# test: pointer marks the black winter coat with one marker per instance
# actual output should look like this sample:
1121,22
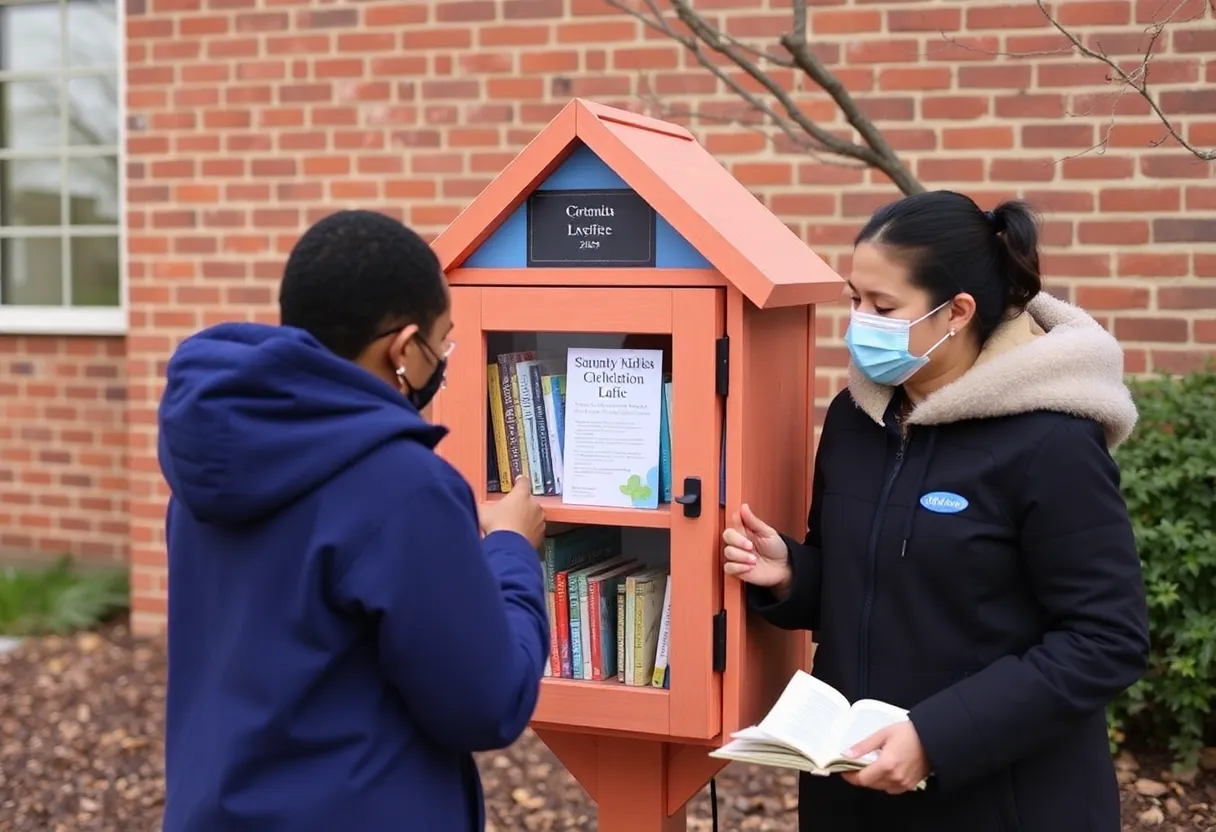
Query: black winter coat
1005,620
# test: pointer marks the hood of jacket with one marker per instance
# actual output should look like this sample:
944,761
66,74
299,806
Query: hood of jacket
254,416
1053,356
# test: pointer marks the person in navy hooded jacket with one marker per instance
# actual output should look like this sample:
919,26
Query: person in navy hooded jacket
341,635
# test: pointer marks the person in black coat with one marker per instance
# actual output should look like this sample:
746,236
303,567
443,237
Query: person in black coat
968,554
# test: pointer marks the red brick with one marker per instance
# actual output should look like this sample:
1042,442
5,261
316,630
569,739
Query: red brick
994,16
1112,297
1154,264
1058,135
964,108
977,138
1163,330
1140,199
1158,11
995,77
924,20
1042,169
844,22
1116,232
915,78
1096,166
1184,230
962,49
873,51
1186,297
1029,106
1093,12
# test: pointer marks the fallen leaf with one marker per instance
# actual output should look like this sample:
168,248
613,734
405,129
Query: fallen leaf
1150,788
1152,816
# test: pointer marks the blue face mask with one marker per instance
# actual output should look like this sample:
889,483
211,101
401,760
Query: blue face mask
879,347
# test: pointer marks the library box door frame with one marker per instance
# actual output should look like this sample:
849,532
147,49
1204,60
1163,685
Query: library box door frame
695,318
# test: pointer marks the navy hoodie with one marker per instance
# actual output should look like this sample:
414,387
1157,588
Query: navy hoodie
341,636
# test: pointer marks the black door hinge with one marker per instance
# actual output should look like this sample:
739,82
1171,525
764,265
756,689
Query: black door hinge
722,365
719,636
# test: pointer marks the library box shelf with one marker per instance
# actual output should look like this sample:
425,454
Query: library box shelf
637,342
558,512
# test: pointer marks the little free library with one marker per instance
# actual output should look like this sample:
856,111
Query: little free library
641,334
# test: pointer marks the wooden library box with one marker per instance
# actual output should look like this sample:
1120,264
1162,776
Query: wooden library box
613,231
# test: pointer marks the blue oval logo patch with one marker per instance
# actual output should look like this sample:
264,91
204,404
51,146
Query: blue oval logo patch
944,502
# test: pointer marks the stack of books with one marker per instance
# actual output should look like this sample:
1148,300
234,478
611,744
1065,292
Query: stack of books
526,428
609,614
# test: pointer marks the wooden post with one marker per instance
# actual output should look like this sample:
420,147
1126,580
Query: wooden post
632,793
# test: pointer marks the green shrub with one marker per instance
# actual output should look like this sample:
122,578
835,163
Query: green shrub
58,599
1169,481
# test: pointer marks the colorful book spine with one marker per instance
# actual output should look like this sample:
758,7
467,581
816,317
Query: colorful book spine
561,623
562,553
541,429
576,629
512,421
527,417
498,427
621,592
588,613
492,478
659,678
558,384
648,607
665,445
555,450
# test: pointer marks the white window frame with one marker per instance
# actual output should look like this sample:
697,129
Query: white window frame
80,320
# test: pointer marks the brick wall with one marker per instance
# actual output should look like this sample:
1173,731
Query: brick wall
249,119
62,448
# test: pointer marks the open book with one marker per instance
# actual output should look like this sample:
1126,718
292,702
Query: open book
809,729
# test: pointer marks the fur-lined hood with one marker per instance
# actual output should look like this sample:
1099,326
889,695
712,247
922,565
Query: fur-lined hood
1051,357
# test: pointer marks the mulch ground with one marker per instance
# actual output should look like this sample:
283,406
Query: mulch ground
80,749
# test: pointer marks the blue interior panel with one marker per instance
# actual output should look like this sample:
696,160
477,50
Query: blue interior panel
507,247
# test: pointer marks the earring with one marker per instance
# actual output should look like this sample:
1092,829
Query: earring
401,382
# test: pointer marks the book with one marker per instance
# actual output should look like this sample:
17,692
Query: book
588,615
809,728
517,454
560,553
649,587
665,443
498,427
551,409
611,421
659,678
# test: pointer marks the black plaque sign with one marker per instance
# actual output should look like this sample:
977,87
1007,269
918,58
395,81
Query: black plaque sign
590,228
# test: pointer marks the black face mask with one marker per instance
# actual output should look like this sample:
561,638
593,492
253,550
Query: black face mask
422,396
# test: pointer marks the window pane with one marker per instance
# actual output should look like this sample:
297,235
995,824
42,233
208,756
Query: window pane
31,271
93,191
30,114
29,192
95,271
92,34
93,110
30,37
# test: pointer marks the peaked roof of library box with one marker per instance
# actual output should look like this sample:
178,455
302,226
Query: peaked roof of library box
665,165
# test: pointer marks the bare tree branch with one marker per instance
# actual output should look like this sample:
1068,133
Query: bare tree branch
777,106
1136,79
787,116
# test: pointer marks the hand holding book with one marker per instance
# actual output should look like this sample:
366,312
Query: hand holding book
901,764
811,725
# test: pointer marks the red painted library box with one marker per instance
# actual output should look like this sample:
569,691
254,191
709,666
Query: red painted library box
609,231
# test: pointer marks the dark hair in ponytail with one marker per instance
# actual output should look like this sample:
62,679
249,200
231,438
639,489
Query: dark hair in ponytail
950,246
